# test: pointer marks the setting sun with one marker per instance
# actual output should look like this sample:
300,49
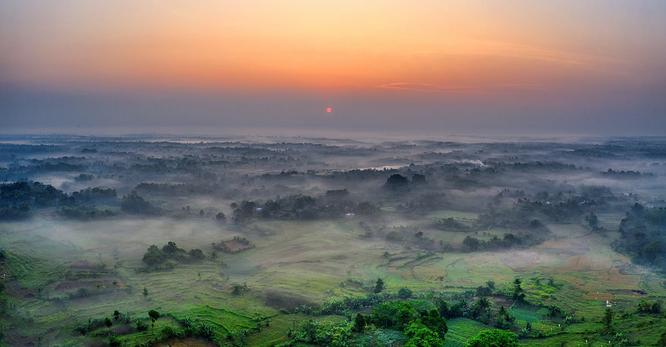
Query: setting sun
389,173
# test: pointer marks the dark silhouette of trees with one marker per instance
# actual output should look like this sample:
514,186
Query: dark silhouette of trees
154,315
220,217
518,292
645,306
418,179
608,319
379,286
359,323
404,293
643,235
396,181
133,203
156,258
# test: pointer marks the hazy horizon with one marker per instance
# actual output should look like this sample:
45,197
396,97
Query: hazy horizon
473,67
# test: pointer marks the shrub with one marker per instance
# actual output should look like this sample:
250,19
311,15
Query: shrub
141,325
393,315
404,293
422,336
493,338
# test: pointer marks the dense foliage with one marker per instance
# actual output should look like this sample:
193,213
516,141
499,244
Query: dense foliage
301,207
169,255
643,235
493,338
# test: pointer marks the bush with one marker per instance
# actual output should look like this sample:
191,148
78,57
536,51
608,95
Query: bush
324,333
404,293
393,315
135,204
493,338
141,325
649,307
169,332
434,322
422,336
453,311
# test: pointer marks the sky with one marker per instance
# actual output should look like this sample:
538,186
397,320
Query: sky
428,66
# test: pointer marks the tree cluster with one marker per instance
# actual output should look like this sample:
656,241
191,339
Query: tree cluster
300,207
643,235
170,255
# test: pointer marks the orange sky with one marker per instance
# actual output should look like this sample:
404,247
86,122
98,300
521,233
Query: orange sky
510,66
428,46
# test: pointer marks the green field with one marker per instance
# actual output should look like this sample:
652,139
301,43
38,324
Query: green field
307,263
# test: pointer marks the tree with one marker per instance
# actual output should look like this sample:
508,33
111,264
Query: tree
443,308
481,308
608,319
396,181
421,336
471,243
592,221
171,248
493,338
646,307
393,314
145,291
197,254
154,315
238,289
483,291
108,322
504,319
220,217
404,293
434,322
135,204
518,292
418,179
359,323
153,256
116,315
379,286
141,325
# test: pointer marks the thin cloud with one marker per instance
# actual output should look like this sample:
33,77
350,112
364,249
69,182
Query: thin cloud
435,88
423,87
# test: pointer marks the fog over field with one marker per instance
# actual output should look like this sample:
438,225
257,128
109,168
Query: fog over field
343,173
267,240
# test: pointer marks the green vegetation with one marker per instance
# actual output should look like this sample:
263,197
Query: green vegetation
227,244
643,236
169,255
493,338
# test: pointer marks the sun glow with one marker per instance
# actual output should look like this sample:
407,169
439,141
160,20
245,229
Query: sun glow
444,46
